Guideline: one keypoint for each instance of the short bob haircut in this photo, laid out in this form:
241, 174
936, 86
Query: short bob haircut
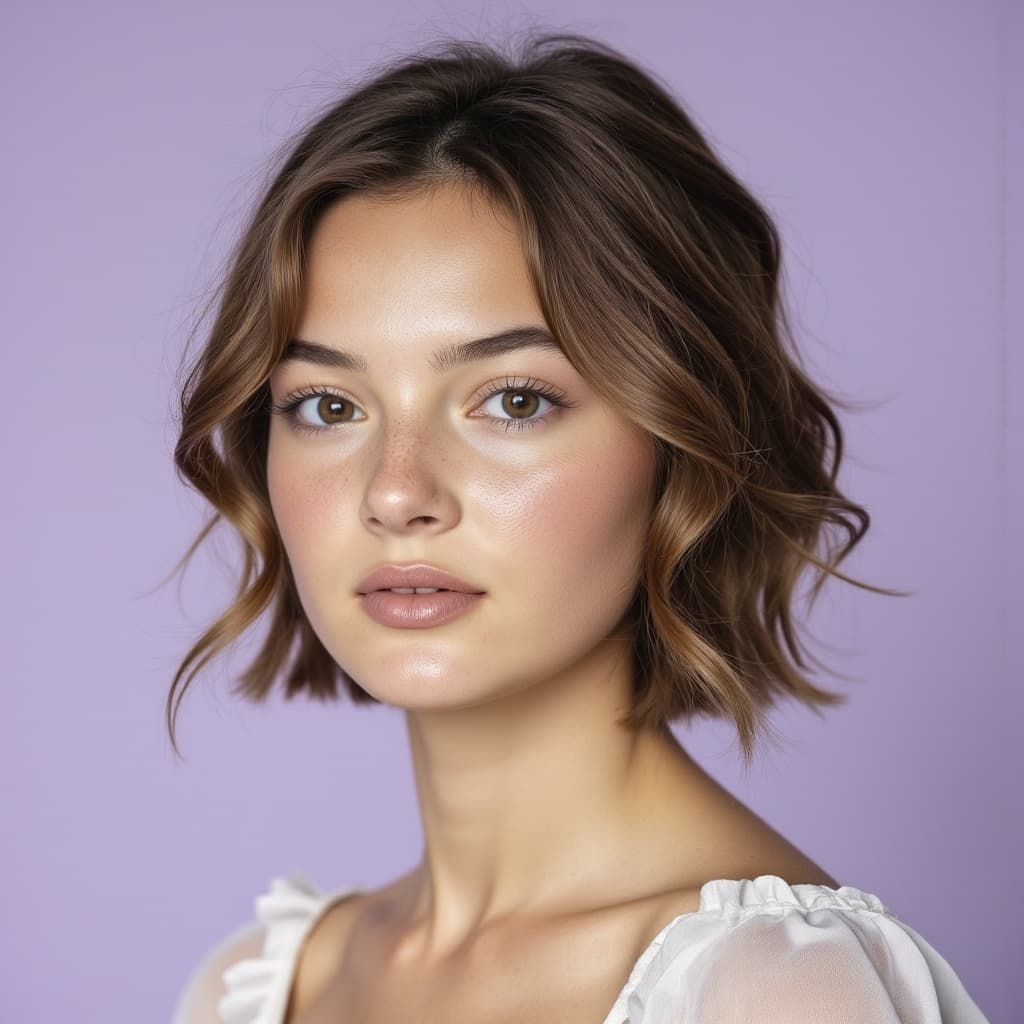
658, 275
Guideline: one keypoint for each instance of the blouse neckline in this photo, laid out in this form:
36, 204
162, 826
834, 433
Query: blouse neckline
729, 898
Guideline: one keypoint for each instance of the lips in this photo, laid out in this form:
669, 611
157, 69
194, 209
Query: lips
387, 577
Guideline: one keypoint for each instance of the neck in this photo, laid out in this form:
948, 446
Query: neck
532, 802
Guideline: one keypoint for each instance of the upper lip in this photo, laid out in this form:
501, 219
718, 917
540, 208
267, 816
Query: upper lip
385, 577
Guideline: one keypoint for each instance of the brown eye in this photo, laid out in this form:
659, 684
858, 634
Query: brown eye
313, 410
520, 403
332, 408
515, 405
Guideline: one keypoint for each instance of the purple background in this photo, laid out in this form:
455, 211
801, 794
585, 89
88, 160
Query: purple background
885, 138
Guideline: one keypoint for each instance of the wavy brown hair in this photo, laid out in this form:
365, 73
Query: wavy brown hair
657, 272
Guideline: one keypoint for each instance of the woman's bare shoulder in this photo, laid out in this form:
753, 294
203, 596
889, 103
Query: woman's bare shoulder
323, 952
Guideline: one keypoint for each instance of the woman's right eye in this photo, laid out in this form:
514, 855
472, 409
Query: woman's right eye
325, 407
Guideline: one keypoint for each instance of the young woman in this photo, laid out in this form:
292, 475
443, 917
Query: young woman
500, 400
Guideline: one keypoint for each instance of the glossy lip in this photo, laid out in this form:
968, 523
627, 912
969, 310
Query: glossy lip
417, 611
418, 575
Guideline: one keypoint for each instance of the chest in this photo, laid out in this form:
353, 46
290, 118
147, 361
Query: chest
538, 982
470, 1005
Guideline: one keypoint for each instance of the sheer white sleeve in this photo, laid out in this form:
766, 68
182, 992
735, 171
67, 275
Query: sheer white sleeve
785, 957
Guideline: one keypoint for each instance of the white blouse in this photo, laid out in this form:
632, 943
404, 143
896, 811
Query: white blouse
757, 951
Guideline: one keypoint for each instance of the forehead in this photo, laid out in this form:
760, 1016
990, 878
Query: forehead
442, 263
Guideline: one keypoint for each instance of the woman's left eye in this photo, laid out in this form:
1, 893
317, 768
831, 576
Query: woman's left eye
523, 398
519, 401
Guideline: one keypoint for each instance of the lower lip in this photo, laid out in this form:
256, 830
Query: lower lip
417, 611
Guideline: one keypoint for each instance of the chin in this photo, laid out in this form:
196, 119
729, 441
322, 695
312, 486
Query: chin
421, 682
417, 695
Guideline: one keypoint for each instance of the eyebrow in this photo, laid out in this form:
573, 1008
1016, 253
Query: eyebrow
512, 340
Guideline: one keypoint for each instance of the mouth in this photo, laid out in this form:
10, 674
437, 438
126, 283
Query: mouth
418, 578
413, 590
417, 607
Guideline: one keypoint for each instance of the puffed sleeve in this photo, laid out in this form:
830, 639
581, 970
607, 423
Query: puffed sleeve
794, 965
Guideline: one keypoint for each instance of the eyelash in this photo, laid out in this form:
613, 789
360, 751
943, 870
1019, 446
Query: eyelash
289, 406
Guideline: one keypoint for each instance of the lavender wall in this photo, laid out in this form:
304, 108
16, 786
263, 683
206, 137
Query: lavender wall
886, 138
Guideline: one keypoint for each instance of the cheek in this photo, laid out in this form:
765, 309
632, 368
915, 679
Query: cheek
575, 532
608, 514
310, 502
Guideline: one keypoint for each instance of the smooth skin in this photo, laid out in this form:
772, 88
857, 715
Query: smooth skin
557, 844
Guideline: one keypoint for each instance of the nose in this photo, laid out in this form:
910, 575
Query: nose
406, 490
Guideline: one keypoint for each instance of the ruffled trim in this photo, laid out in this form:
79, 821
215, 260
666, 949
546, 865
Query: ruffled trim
731, 896
730, 899
257, 987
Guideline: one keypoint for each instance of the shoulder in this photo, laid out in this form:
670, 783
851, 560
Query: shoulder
323, 950
762, 950
205, 987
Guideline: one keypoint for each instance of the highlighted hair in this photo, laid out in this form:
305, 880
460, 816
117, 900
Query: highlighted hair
657, 272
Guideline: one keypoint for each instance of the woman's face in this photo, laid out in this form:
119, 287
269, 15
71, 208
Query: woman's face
417, 464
